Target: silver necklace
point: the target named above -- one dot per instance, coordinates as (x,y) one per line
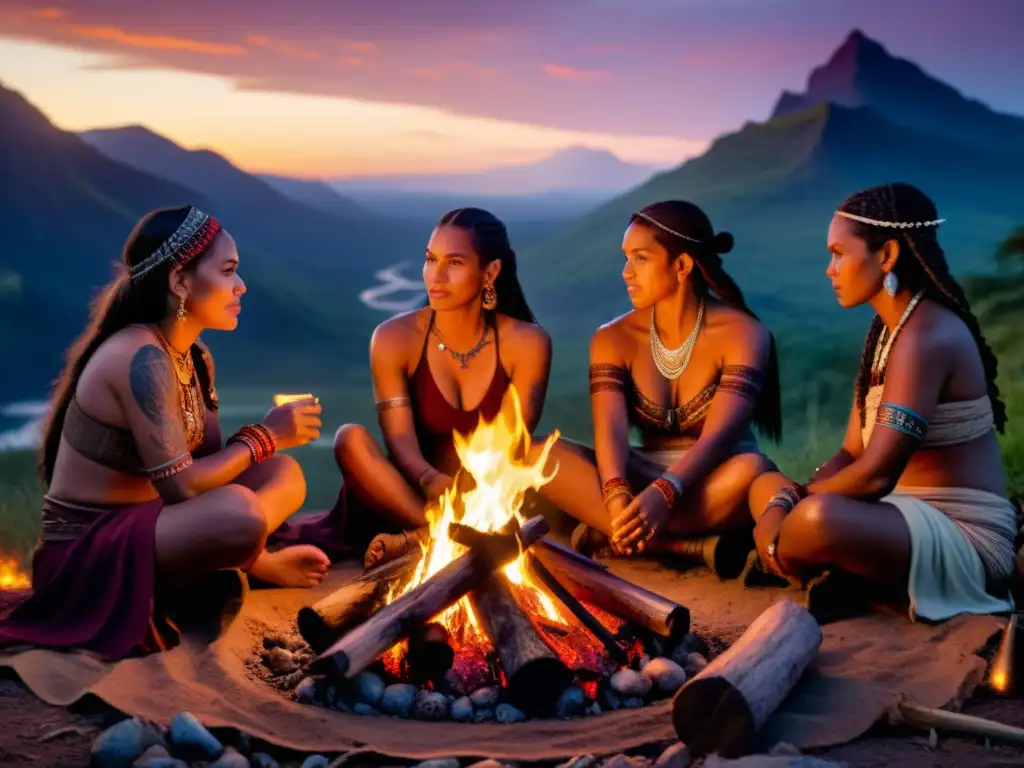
(886,340)
(672,362)
(462,357)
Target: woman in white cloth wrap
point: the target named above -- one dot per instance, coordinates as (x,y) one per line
(915,499)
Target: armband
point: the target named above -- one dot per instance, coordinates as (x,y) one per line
(608,378)
(742,380)
(902,420)
(169,468)
(395,402)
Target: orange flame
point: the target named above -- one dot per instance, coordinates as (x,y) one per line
(11,574)
(497,456)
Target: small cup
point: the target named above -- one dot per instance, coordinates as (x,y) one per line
(283,399)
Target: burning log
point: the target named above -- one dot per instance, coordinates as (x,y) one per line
(535,676)
(430,653)
(723,707)
(358,649)
(321,623)
(592,582)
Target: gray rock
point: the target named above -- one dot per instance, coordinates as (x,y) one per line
(483,715)
(429,705)
(362,708)
(506,713)
(315,761)
(280,661)
(158,757)
(231,758)
(630,683)
(487,764)
(784,748)
(625,761)
(581,761)
(462,710)
(610,700)
(340,705)
(694,644)
(633,702)
(123,743)
(331,696)
(369,687)
(305,691)
(444,762)
(644,661)
(667,676)
(262,760)
(187,733)
(676,756)
(485,698)
(571,702)
(398,699)
(694,663)
(594,709)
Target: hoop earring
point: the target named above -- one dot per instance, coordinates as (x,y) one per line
(182,312)
(891,283)
(490,297)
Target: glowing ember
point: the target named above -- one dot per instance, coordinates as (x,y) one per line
(11,574)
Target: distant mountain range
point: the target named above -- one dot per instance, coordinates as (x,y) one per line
(311,249)
(775,185)
(575,170)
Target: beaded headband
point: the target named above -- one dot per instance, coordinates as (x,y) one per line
(659,225)
(890,224)
(190,239)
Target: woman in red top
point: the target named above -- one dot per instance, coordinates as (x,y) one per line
(436,370)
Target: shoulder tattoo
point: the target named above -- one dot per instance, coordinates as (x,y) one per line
(152,381)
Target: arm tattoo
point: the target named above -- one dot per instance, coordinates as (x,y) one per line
(152,381)
(902,420)
(608,378)
(742,380)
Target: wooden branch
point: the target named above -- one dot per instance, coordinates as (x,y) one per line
(535,676)
(358,649)
(611,593)
(595,627)
(323,622)
(724,706)
(956,722)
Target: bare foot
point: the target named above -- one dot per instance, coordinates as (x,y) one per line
(302,565)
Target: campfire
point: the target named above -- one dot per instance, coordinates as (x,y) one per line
(490,619)
(12,576)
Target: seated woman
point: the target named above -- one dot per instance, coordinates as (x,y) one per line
(915,500)
(142,501)
(691,367)
(436,370)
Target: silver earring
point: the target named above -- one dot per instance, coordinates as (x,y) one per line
(891,283)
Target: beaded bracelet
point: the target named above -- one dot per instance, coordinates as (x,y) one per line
(667,490)
(788,497)
(258,439)
(614,487)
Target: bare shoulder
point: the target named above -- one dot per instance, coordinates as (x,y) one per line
(115,356)
(614,341)
(400,330)
(734,329)
(525,338)
(935,331)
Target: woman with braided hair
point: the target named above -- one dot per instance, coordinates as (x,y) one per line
(915,499)
(436,370)
(692,369)
(144,504)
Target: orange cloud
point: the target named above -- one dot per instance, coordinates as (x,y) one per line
(453,68)
(360,46)
(285,49)
(570,73)
(50,14)
(161,42)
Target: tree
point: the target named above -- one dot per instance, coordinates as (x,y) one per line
(1011,251)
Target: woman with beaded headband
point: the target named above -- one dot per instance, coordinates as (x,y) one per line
(436,370)
(143,503)
(915,500)
(692,369)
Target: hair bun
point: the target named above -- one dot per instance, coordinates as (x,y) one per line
(723,242)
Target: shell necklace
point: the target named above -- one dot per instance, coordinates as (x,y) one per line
(885,341)
(672,362)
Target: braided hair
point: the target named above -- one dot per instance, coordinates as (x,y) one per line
(490,240)
(692,233)
(928,270)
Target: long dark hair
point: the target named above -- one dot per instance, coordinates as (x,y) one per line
(490,240)
(927,270)
(121,303)
(692,233)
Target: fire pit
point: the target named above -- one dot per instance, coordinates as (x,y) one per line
(490,620)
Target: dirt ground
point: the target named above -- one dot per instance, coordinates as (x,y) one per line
(37,735)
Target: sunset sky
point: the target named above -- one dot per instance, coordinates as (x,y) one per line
(361,87)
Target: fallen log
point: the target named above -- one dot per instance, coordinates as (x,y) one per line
(724,706)
(323,622)
(535,676)
(361,646)
(600,587)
